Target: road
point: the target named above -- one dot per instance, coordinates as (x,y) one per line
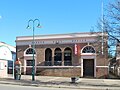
(16,87)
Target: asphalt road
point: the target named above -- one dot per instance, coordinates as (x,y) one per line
(16,87)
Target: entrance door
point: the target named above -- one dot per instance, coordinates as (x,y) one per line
(29,64)
(88,67)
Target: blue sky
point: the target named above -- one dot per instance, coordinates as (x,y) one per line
(56,17)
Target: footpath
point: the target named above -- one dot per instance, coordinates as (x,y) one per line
(64,82)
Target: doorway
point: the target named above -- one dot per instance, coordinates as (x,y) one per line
(88,67)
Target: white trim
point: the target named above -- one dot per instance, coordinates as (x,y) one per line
(102,66)
(29,54)
(56,36)
(87,46)
(88,57)
(59,38)
(55,41)
(27,57)
(81,67)
(25,65)
(88,54)
(56,66)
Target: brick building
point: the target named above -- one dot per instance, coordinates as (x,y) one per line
(74,54)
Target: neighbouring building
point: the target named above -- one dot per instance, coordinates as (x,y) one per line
(72,54)
(116,64)
(7,57)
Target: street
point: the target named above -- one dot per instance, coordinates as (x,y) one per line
(16,87)
(58,83)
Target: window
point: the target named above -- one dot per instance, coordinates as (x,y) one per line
(1,65)
(58,57)
(88,49)
(29,62)
(30,51)
(13,55)
(48,57)
(67,57)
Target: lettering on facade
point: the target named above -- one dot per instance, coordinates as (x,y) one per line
(57,41)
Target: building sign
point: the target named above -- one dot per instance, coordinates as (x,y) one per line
(77,49)
(5,53)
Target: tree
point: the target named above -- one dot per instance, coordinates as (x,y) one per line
(113,16)
(110,23)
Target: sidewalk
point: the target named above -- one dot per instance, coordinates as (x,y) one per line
(64,82)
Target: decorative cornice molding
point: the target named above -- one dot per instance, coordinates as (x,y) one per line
(58,39)
(62,41)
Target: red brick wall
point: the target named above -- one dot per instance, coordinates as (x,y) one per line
(101,60)
(65,72)
(101,72)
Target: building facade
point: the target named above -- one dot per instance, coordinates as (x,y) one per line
(7,57)
(116,64)
(74,54)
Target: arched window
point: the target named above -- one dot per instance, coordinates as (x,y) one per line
(30,51)
(29,60)
(67,56)
(48,57)
(88,49)
(58,57)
